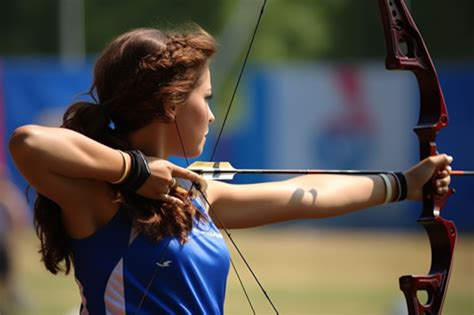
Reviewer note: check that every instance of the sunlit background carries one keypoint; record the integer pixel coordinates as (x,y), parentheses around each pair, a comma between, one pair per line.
(315,94)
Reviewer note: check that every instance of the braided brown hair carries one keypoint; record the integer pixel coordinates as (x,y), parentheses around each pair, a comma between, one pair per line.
(138,78)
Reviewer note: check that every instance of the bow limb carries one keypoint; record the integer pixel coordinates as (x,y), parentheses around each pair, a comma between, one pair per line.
(406,50)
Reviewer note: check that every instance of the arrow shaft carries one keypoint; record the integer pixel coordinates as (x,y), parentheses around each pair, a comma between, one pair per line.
(313,171)
(307,171)
(462,173)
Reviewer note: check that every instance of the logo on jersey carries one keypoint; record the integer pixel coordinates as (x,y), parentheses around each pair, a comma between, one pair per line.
(164,264)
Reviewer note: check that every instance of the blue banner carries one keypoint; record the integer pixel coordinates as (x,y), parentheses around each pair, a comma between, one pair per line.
(292,116)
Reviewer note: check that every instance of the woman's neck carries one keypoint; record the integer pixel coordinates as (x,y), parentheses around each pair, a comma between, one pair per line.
(151,140)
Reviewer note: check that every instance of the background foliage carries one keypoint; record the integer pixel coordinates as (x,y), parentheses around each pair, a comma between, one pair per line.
(304,272)
(330,29)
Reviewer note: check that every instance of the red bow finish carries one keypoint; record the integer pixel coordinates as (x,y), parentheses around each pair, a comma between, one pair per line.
(406,50)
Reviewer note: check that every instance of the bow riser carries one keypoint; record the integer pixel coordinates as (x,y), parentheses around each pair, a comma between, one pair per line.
(433,110)
(406,50)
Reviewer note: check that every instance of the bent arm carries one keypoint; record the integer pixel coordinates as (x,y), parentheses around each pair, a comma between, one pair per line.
(304,197)
(49,157)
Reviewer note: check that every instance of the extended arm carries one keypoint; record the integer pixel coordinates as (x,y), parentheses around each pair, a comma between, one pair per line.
(315,196)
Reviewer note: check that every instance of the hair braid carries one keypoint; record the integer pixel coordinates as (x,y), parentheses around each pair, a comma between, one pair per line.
(137,79)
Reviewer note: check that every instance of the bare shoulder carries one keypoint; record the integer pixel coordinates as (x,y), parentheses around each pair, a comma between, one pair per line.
(89,207)
(216,190)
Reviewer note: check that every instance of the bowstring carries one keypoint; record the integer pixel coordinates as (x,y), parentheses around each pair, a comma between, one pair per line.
(221,130)
(155,273)
(240,254)
(194,185)
(244,64)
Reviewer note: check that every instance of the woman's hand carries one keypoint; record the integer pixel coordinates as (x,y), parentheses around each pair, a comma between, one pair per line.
(163,179)
(438,167)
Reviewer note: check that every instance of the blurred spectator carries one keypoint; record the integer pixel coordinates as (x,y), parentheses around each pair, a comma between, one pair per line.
(14,215)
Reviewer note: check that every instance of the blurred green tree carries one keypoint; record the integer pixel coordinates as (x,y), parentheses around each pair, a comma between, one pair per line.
(297,29)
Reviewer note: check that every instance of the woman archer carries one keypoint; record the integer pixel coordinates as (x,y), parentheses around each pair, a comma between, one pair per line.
(108,200)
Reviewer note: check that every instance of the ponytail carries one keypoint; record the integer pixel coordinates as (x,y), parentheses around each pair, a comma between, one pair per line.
(138,78)
(93,121)
(54,241)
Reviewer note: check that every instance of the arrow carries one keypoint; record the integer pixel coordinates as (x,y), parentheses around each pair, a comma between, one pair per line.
(225,171)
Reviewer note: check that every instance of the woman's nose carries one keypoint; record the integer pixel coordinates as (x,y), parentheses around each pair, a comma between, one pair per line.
(211,115)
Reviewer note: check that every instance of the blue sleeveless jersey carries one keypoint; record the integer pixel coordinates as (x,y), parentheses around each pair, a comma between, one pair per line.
(117,269)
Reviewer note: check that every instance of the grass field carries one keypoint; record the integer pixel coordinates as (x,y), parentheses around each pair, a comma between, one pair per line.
(304,272)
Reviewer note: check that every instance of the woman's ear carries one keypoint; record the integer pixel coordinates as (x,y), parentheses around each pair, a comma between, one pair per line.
(172,112)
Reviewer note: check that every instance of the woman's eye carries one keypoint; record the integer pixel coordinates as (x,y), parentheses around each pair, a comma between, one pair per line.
(208,99)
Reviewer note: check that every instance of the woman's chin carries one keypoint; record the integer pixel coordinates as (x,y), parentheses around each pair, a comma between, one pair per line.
(195,153)
(199,149)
